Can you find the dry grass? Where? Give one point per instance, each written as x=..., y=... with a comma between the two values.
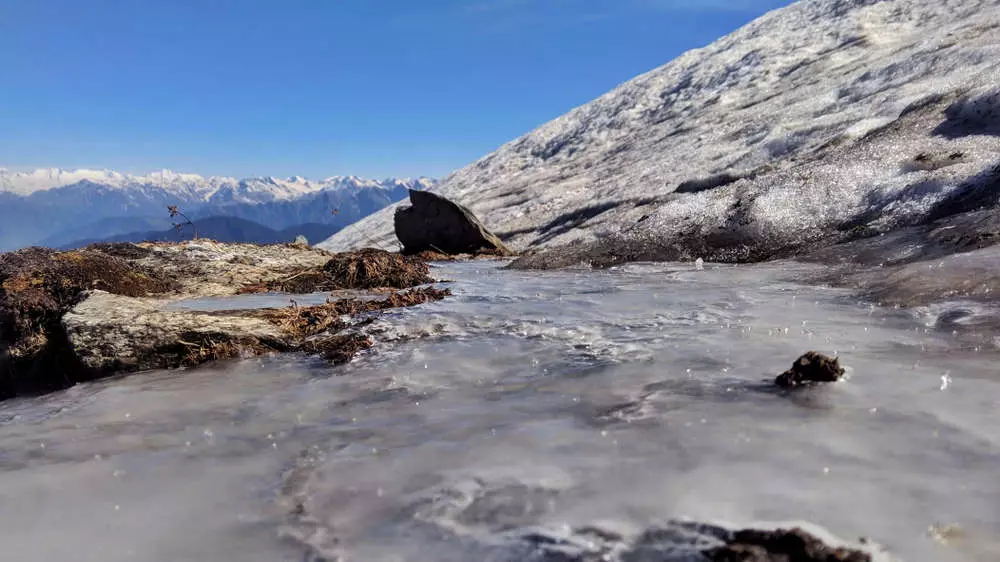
x=195, y=348
x=365, y=269
x=370, y=268
x=316, y=326
x=339, y=349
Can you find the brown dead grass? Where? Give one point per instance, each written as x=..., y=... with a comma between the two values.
x=370, y=268
x=317, y=326
x=195, y=348
x=365, y=269
x=338, y=349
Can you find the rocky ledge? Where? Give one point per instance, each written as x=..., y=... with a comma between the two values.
x=73, y=316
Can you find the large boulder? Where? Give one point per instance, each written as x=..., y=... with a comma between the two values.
x=433, y=223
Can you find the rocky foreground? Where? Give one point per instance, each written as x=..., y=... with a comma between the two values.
x=74, y=316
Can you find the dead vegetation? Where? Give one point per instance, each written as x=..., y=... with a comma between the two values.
x=306, y=321
x=317, y=326
x=812, y=367
x=364, y=269
x=195, y=348
x=338, y=349
x=38, y=286
x=784, y=545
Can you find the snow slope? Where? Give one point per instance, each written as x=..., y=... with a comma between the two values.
x=823, y=116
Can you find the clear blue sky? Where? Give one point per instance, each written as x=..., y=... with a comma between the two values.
x=318, y=87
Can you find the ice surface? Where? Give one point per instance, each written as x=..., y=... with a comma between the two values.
x=806, y=121
x=532, y=416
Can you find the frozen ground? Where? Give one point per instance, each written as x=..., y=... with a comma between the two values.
x=545, y=416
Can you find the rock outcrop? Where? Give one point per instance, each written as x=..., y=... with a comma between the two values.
x=781, y=545
x=69, y=317
x=434, y=223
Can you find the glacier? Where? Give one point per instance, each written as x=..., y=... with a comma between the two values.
x=816, y=123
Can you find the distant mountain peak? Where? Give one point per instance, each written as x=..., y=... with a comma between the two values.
x=185, y=184
x=58, y=206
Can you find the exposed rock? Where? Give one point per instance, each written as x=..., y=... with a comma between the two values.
x=434, y=223
x=69, y=317
x=205, y=268
x=114, y=333
x=781, y=545
x=431, y=255
x=37, y=286
x=811, y=367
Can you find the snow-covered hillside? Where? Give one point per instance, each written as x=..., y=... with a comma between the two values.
x=55, y=207
x=825, y=116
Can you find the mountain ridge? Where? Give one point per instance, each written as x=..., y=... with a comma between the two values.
x=218, y=228
x=40, y=206
x=185, y=184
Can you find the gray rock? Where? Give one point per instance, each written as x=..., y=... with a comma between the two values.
x=75, y=316
x=433, y=223
x=114, y=333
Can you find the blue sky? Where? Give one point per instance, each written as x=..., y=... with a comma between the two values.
x=318, y=87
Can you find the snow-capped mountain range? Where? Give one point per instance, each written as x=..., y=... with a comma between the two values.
x=192, y=187
x=57, y=207
x=824, y=117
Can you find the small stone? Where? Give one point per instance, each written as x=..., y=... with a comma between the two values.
x=810, y=368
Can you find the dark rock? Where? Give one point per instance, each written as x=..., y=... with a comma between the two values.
x=705, y=184
x=781, y=545
x=686, y=541
x=811, y=367
x=440, y=225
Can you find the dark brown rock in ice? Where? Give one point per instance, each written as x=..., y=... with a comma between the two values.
x=811, y=367
x=781, y=545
